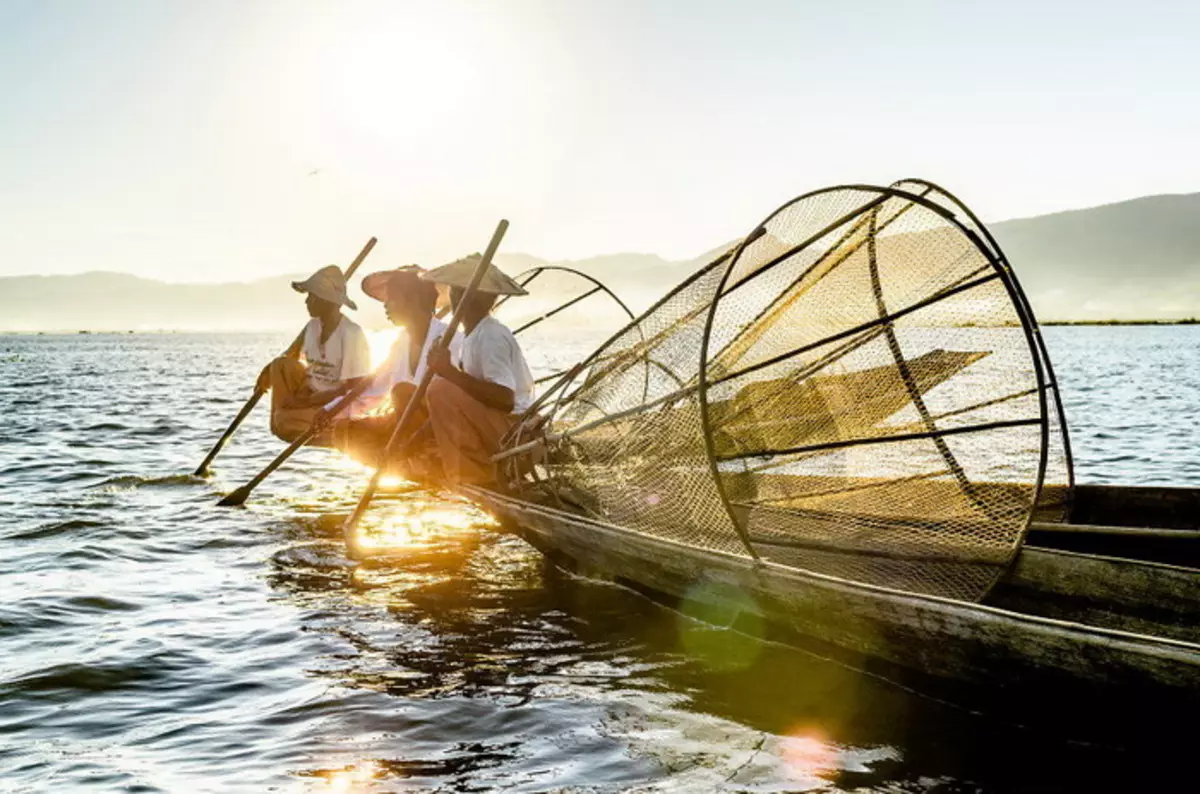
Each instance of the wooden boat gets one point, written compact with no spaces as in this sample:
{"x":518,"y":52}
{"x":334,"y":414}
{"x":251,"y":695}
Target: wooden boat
{"x":860,"y":442}
{"x":848,"y":429}
{"x":1072,"y":633}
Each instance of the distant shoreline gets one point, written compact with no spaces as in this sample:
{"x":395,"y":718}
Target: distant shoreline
{"x":1188,"y":321}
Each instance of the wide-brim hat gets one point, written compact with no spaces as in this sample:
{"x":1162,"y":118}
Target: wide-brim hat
{"x":329,"y":284}
{"x":387,"y":282}
{"x":459,"y":273}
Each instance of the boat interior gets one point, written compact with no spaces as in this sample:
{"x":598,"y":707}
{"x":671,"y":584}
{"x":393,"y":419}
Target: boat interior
{"x":1128,"y":559}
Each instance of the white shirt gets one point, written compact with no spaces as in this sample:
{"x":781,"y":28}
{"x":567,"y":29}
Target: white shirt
{"x":398,"y":369}
{"x":490,"y":352}
{"x":344,"y":355}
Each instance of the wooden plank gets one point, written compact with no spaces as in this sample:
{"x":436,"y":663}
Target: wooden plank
{"x":1137,"y":506}
{"x":1111,"y":592}
{"x":1127,"y":532}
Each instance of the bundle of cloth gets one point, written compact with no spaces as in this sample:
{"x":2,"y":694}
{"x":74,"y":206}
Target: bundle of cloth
{"x":481,"y":384}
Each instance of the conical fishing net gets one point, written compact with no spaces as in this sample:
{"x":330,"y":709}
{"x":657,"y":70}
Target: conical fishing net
{"x":855,"y":390}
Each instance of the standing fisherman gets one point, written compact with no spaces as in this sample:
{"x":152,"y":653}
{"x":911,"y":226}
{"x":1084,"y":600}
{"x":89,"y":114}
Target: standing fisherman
{"x":478,"y":395}
{"x":409,"y":303}
{"x":335,"y":354}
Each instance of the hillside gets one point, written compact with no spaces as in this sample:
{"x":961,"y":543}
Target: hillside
{"x":1137,"y":259}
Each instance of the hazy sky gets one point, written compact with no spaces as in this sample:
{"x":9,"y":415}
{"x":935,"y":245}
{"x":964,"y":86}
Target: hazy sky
{"x":212,"y":140}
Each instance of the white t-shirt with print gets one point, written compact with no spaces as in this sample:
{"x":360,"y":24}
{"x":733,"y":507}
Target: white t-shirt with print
{"x":344,"y":355}
{"x":398,"y":369}
{"x":490,"y":352}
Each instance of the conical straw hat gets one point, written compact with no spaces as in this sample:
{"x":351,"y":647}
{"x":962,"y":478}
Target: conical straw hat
{"x":458,"y":274}
{"x":327,"y":283}
{"x":379,"y":285}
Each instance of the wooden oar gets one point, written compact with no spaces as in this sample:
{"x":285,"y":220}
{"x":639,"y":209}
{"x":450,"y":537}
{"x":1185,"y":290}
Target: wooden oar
{"x":419,"y":395}
{"x":239,"y":496}
{"x":293,"y":350}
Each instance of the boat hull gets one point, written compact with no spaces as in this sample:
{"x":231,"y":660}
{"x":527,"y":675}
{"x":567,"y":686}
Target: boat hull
{"x":1023,"y":658}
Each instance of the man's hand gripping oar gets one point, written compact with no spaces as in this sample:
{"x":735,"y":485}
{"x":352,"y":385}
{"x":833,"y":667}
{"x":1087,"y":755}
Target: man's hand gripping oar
{"x":348,"y":529}
{"x":293,"y":349}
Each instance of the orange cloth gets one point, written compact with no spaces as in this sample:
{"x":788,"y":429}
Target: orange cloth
{"x":466,"y":431}
{"x":287,"y":378}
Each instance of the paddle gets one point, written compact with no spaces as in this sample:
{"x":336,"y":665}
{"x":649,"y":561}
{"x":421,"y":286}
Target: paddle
{"x":293,"y":349}
{"x":419,"y":395}
{"x":239,"y":496}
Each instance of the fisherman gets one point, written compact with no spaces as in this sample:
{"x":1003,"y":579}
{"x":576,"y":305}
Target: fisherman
{"x":477,"y":395}
{"x":335,"y":356}
{"x":409,"y":303}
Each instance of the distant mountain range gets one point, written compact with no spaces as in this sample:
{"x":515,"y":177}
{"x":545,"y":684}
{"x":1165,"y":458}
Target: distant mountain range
{"x":1134,"y":260}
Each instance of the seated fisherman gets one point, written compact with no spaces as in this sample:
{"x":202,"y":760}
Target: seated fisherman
{"x":476,"y":396}
{"x":409,"y":302}
{"x":335,"y":355}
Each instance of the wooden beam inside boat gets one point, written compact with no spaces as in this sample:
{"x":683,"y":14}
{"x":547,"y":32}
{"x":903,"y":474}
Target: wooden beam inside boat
{"x":1137,"y":506}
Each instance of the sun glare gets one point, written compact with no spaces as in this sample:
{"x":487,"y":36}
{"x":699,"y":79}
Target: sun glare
{"x":380,"y":343}
{"x":391,"y":534}
{"x":402,"y":79}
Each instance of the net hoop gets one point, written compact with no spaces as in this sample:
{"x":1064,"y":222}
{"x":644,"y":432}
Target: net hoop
{"x":1052,"y":511}
{"x":985,"y":245}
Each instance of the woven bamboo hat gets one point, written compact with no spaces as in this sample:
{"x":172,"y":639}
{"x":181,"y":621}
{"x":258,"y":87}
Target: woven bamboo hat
{"x":328,"y":283}
{"x":402,"y":279}
{"x":459,"y":272}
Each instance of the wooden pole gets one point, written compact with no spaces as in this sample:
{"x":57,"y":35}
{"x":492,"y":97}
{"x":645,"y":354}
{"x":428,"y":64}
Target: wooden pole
{"x":419,"y":395}
{"x":202,"y":470}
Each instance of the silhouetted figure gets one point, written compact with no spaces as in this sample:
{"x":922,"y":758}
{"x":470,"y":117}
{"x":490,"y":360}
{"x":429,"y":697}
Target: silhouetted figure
{"x":333,"y":357}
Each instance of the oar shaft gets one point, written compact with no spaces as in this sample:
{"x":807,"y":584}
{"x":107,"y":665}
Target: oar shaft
{"x":229,"y":431}
{"x":239,"y":496}
{"x":418,"y":396}
{"x":292,"y":351}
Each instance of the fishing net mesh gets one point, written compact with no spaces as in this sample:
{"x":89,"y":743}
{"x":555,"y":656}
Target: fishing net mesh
{"x":1054,"y":500}
{"x":869,"y":408}
{"x":636,"y":454}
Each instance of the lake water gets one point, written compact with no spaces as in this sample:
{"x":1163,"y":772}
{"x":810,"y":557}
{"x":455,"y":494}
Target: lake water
{"x":153,"y":642}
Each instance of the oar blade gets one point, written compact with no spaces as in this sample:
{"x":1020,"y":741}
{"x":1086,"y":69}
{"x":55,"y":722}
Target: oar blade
{"x":236,"y":498}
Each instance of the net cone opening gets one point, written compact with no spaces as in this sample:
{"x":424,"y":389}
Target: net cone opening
{"x":857,"y":389}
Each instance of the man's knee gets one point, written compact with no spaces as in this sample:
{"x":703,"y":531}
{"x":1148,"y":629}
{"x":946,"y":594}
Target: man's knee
{"x":441,"y":395}
{"x":284,"y":431}
{"x":401,"y":394}
{"x":270,"y":373}
{"x":288,"y":425}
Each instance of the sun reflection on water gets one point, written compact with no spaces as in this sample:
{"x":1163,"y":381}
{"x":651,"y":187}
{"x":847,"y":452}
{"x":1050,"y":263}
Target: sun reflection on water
{"x":413,"y":520}
{"x":356,"y":777}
